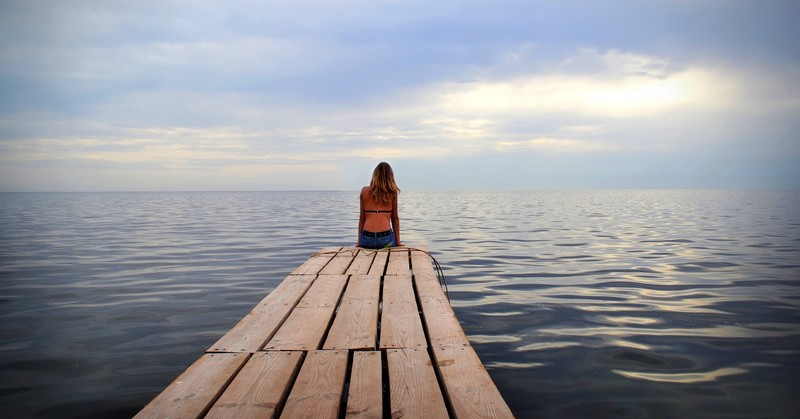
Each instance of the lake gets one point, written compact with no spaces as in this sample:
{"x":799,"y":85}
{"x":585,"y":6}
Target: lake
{"x":602,"y":304}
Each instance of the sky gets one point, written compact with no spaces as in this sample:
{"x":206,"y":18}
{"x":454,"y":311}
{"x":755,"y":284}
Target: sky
{"x":456,"y":95}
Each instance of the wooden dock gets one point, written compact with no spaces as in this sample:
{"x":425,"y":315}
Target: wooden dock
{"x":350,"y":333}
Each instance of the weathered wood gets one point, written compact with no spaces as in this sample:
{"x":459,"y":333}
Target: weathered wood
{"x":318,"y":390}
{"x":427,"y":285}
{"x":440,"y":320}
{"x":250,"y":334}
{"x":379,"y":263}
{"x":293,"y":320}
{"x":361,"y":263}
{"x":356,"y":322}
{"x":260,"y":388}
{"x":468,"y":386}
{"x":308,"y":322}
{"x":193,"y":392}
{"x":442,"y":324}
{"x":398,"y":262}
{"x":303,"y":330}
{"x":339,"y":264}
{"x":316,"y":262}
{"x":400,"y":323}
{"x":421,"y":263}
{"x":414,"y":391}
{"x":325,"y":291}
{"x":365,"y":398}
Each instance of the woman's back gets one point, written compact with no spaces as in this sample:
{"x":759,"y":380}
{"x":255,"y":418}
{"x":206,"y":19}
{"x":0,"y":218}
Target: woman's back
{"x":378,"y":222}
{"x":377,"y":217}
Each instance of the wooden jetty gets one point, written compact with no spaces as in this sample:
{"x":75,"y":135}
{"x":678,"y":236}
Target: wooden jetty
{"x":350,"y":333}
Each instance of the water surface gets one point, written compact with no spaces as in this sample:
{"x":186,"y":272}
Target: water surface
{"x":604,"y":304}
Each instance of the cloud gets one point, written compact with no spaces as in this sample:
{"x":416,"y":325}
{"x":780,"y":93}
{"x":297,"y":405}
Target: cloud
{"x":611,"y":85}
{"x":583,"y":104}
{"x":265,"y":92}
{"x":554,"y":145}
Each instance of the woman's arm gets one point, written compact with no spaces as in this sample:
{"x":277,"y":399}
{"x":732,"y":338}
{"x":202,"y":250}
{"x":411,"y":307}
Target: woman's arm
{"x":396,"y":221}
{"x":361,"y":216}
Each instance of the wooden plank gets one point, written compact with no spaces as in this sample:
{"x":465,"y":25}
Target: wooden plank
{"x":255,"y":329}
{"x":361,"y":263}
{"x":356,"y":322}
{"x":260,"y":388}
{"x":428,"y":285}
{"x":379,"y":264}
{"x":421,"y":263}
{"x":442,"y":325}
{"x":468,"y":386}
{"x":440,"y":320}
{"x":316,"y":262}
{"x":398,"y":262}
{"x":325,"y":291}
{"x":365,"y":399}
{"x":295,"y":317}
{"x":191,"y":394}
{"x":414,"y":391}
{"x":304,"y":328}
{"x":318,"y":390}
{"x":339,"y":264}
{"x":401,"y":326}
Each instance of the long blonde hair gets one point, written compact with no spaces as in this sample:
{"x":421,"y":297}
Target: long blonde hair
{"x":382,"y":186}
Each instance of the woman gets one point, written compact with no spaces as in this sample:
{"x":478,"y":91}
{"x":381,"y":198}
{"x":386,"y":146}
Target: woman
{"x":379,"y":224}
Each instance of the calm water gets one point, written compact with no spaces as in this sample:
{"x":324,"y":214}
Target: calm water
{"x":602,"y":304}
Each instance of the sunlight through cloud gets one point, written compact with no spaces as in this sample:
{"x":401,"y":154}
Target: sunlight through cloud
{"x":626,"y":86}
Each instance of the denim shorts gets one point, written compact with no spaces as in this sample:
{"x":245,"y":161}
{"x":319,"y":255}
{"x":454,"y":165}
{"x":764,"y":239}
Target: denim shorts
{"x":377,"y":240}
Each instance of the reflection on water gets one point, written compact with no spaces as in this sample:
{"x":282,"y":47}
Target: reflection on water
{"x":627,"y":303}
{"x":581,"y":304}
{"x":684,"y":378}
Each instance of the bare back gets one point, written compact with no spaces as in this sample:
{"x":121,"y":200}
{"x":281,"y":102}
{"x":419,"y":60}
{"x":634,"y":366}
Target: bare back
{"x":376,"y":217}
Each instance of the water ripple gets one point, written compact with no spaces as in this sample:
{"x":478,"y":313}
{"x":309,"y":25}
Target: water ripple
{"x":683,"y":378}
{"x":581,"y":304}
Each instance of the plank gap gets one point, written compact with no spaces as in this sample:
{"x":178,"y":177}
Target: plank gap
{"x":414,"y":388}
{"x":317,"y":391}
{"x":380,"y":315}
{"x":340,"y":263}
{"x":439,"y":378}
{"x":290,"y":384}
{"x":401,"y":326}
{"x":335,"y":253}
{"x":365,"y":393}
{"x":387,"y":399}
{"x":346,"y":386}
{"x":287,"y":314}
{"x":362,"y":262}
{"x":448,"y":404}
{"x":226,"y":384}
{"x":253,"y":331}
{"x":356,"y":322}
{"x":315,"y":263}
{"x":380,"y":263}
{"x":194,"y":391}
{"x":260,"y":387}
{"x":311,"y":319}
{"x":333,"y":316}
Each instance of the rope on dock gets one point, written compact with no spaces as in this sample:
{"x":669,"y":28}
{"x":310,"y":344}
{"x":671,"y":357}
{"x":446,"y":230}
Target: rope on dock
{"x":436,"y":265}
